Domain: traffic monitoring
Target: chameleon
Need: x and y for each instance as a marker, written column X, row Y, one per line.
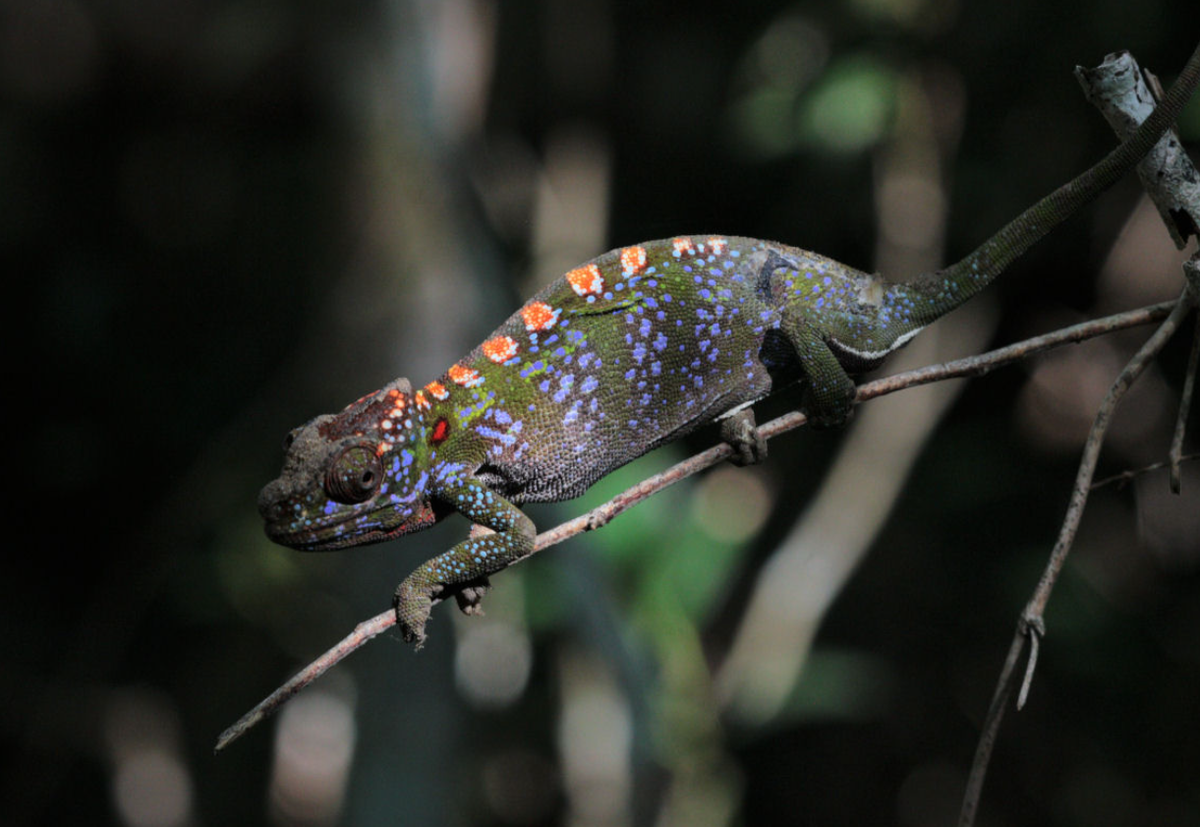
column 628, row 351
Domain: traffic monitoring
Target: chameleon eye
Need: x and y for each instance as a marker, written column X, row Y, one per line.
column 353, row 476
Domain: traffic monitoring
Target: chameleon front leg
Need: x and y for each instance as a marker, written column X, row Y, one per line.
column 464, row 569
column 829, row 391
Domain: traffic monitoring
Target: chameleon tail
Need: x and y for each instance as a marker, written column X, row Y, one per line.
column 948, row 288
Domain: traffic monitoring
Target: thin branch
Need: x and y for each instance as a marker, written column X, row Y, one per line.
column 1032, row 622
column 1185, row 405
column 1191, row 273
column 991, row 727
column 970, row 366
column 1134, row 473
column 1091, row 451
column 362, row 633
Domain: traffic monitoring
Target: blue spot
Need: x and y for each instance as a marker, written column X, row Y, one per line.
column 589, row 384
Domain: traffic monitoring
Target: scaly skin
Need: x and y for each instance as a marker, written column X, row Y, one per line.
column 629, row 351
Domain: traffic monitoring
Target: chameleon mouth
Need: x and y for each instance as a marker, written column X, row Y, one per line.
column 358, row 530
column 361, row 529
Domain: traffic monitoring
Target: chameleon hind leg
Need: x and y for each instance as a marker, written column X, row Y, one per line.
column 463, row 570
column 829, row 391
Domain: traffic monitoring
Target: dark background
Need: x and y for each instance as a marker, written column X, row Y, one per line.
column 220, row 219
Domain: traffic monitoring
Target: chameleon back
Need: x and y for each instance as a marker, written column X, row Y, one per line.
column 623, row 354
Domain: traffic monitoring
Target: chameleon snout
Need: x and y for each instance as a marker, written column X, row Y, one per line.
column 273, row 503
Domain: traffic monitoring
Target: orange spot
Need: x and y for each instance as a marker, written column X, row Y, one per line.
column 633, row 260
column 538, row 316
column 586, row 280
column 467, row 377
column 500, row 349
column 422, row 402
column 441, row 430
column 683, row 245
column 438, row 391
column 718, row 245
column 382, row 448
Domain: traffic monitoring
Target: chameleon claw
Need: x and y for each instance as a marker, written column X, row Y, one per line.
column 741, row 432
column 470, row 596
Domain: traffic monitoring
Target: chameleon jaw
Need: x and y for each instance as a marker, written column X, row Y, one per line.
column 357, row 529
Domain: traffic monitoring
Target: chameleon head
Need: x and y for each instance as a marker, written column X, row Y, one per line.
column 351, row 478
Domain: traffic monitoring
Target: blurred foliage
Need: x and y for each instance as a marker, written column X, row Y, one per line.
column 221, row 218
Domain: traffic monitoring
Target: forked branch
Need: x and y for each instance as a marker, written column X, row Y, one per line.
column 1031, row 626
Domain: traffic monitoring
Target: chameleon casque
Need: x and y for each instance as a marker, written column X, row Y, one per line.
column 629, row 351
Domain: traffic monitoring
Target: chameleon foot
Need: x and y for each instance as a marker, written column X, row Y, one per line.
column 741, row 432
column 415, row 597
column 469, row 596
column 413, row 602
column 830, row 409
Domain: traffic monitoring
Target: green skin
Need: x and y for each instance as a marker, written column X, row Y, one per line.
column 625, row 353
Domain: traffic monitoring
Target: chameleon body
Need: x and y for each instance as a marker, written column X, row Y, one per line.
column 631, row 350
column 622, row 354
